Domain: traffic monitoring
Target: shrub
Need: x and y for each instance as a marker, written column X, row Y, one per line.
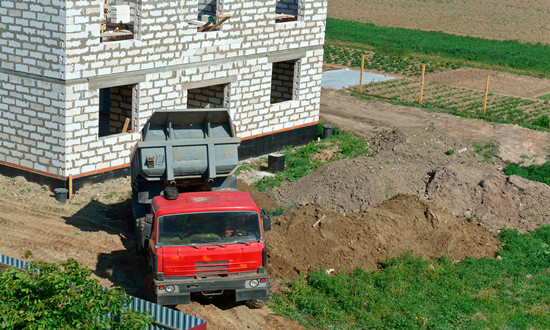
column 55, row 296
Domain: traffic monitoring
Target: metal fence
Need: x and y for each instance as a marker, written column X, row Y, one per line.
column 164, row 318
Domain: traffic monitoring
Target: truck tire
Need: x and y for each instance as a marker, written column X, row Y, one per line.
column 255, row 303
column 139, row 211
column 138, row 229
column 258, row 303
column 148, row 288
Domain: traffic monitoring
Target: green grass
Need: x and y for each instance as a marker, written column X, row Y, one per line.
column 247, row 167
column 412, row 293
column 299, row 161
column 545, row 97
column 540, row 173
column 509, row 54
column 486, row 150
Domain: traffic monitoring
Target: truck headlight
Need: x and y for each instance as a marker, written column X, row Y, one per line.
column 254, row 283
column 170, row 288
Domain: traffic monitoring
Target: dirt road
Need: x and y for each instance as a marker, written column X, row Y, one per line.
column 369, row 117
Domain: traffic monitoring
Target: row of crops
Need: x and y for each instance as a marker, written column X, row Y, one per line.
column 393, row 64
column 465, row 102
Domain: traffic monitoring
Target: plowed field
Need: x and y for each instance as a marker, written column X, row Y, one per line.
column 525, row 20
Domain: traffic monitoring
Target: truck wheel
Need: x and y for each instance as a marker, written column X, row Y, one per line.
column 149, row 288
column 255, row 303
column 258, row 303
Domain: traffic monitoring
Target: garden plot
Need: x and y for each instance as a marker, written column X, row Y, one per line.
column 466, row 102
column 375, row 62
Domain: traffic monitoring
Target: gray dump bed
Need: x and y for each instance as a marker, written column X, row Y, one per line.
column 192, row 148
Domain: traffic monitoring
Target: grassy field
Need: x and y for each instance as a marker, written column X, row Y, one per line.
column 411, row 293
column 506, row 55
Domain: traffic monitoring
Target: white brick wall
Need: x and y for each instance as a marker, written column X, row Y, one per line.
column 52, row 126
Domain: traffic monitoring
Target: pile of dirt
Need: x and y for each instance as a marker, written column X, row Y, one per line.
column 400, row 161
column 426, row 162
column 310, row 236
column 491, row 198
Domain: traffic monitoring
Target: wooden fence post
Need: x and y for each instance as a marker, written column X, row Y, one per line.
column 486, row 95
column 70, row 186
column 422, row 84
column 361, row 78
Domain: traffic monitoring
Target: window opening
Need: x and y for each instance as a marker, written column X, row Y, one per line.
column 115, row 109
column 210, row 17
column 208, row 97
column 283, row 81
column 117, row 20
column 286, row 11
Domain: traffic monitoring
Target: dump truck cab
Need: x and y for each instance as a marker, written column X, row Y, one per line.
column 206, row 242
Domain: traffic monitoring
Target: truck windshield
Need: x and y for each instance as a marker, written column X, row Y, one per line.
column 209, row 228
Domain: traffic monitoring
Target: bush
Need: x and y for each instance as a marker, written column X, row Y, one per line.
column 55, row 296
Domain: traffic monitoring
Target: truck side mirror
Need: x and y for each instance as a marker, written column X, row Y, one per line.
column 266, row 220
column 147, row 230
column 148, row 225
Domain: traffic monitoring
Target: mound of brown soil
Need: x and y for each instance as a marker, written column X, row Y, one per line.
column 401, row 162
column 417, row 161
column 310, row 236
column 491, row 198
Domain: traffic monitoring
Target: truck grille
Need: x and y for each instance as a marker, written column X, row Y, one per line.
column 211, row 267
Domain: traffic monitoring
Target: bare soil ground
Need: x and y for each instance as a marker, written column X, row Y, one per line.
column 525, row 20
column 370, row 117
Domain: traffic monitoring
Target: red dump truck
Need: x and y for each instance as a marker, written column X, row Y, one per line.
column 201, row 236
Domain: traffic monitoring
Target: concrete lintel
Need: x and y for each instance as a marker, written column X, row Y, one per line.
column 126, row 77
column 114, row 80
column 281, row 56
column 210, row 82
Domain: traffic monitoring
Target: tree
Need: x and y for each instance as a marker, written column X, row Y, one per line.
column 55, row 296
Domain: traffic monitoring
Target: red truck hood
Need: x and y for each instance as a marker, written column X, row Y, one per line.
column 206, row 260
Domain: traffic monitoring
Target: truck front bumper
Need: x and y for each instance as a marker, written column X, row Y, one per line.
column 246, row 286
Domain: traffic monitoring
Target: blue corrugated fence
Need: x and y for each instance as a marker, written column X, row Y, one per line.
column 164, row 318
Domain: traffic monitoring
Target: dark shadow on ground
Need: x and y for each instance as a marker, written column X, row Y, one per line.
column 224, row 302
column 126, row 268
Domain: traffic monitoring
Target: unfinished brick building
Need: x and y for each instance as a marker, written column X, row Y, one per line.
column 79, row 79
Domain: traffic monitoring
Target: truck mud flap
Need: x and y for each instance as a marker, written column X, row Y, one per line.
column 242, row 295
column 180, row 298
